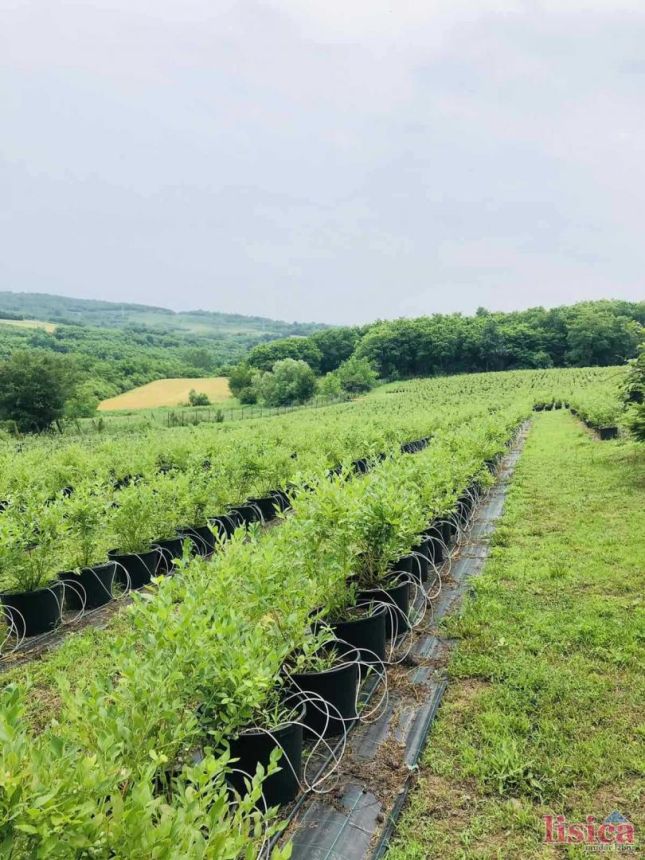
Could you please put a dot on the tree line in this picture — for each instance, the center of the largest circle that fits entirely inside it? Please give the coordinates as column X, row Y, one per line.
column 583, row 335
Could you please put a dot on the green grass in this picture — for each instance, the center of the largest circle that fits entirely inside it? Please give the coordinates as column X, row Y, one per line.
column 161, row 417
column 544, row 711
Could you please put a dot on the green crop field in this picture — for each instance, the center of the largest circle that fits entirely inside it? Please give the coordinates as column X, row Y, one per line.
column 118, row 741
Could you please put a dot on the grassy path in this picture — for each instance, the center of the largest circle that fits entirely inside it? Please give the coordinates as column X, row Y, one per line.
column 544, row 711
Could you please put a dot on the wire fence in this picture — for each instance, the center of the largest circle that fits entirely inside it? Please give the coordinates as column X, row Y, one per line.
column 184, row 416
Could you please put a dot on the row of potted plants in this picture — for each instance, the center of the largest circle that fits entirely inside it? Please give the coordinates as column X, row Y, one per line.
column 82, row 548
column 272, row 451
column 201, row 662
column 598, row 418
column 281, row 449
column 201, row 665
column 385, row 528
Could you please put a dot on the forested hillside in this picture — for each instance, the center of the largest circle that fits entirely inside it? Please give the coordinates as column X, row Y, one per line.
column 69, row 311
column 117, row 347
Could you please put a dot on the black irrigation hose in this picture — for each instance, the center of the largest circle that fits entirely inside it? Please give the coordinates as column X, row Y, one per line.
column 304, row 795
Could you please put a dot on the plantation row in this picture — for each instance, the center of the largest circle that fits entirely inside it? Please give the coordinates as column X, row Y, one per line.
column 73, row 512
column 120, row 742
column 91, row 751
column 49, row 464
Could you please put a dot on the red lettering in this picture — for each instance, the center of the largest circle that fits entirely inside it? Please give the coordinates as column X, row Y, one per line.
column 606, row 833
column 560, row 821
column 625, row 834
column 548, row 828
column 576, row 833
column 591, row 830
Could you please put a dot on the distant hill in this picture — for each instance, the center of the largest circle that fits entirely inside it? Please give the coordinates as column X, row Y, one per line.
column 69, row 311
column 118, row 347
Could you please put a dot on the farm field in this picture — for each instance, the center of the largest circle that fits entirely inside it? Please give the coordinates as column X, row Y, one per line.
column 545, row 686
column 168, row 392
column 117, row 742
column 38, row 324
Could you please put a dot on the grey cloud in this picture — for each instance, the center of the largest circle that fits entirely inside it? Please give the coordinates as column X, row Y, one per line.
column 322, row 160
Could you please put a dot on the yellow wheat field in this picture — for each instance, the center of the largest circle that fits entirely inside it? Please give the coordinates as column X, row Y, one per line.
column 168, row 392
column 45, row 326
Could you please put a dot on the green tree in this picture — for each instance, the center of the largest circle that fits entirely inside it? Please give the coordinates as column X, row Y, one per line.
column 199, row 358
column 336, row 345
column 240, row 377
column 83, row 401
column 34, row 387
column 393, row 348
column 635, row 395
column 596, row 336
column 265, row 355
column 249, row 396
column 290, row 382
column 356, row 375
column 198, row 398
column 329, row 385
column 242, row 381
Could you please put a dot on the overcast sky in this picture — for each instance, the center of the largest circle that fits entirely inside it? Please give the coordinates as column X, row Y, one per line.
column 324, row 160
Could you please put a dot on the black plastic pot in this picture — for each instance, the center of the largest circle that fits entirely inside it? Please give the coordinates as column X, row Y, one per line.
column 606, row 433
column 247, row 513
column 420, row 562
column 167, row 551
column 415, row 445
column 338, row 687
column 367, row 634
column 464, row 507
column 35, row 612
column 94, row 583
column 438, row 550
column 434, row 545
column 202, row 538
column 403, row 564
column 253, row 748
column 267, row 506
column 140, row 567
column 416, row 564
column 4, row 504
column 399, row 596
column 225, row 524
column 448, row 530
column 125, row 481
column 281, row 500
column 361, row 467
